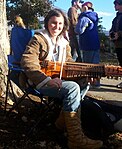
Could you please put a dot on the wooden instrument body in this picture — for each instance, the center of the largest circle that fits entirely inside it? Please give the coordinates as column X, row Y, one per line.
column 78, row 70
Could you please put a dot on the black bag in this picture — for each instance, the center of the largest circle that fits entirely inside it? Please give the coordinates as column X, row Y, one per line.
column 97, row 118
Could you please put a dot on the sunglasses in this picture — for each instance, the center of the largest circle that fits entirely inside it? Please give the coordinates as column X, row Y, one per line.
column 81, row 1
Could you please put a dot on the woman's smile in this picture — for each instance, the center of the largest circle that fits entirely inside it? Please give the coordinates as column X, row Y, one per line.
column 55, row 25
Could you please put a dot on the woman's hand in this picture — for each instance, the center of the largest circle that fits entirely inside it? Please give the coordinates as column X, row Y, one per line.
column 56, row 82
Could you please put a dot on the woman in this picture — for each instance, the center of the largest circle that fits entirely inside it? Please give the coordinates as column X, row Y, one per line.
column 50, row 45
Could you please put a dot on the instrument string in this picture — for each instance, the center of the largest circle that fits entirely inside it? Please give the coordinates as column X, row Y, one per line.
column 62, row 62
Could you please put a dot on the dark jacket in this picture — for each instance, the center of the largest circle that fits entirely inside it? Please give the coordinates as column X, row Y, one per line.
column 117, row 27
column 88, row 31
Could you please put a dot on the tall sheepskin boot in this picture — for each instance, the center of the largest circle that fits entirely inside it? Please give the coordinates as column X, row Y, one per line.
column 76, row 137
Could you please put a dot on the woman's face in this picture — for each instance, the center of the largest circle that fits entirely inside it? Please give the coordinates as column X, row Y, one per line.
column 55, row 25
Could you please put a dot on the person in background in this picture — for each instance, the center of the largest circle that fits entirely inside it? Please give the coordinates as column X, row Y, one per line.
column 115, row 33
column 73, row 37
column 20, row 36
column 88, row 37
column 50, row 44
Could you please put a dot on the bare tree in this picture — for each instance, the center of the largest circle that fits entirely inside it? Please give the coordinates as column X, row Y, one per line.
column 4, row 47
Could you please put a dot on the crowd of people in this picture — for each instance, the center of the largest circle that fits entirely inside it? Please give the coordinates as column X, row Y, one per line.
column 51, row 44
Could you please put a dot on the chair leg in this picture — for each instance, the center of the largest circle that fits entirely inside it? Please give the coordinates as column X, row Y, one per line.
column 6, row 98
column 16, row 104
column 8, row 88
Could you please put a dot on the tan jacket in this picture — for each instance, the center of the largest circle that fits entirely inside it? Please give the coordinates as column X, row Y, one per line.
column 38, row 49
column 73, row 19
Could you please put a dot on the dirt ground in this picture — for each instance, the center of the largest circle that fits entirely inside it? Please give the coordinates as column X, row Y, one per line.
column 31, row 126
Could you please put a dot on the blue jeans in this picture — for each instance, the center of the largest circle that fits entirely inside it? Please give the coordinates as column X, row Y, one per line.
column 92, row 56
column 69, row 93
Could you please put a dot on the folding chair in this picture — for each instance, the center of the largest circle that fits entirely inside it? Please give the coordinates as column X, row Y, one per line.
column 14, row 70
column 13, row 76
column 45, row 106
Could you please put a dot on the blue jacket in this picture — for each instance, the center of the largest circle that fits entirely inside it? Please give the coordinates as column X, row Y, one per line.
column 18, row 41
column 88, row 31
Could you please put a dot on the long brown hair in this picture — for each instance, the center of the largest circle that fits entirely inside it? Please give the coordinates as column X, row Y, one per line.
column 57, row 13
